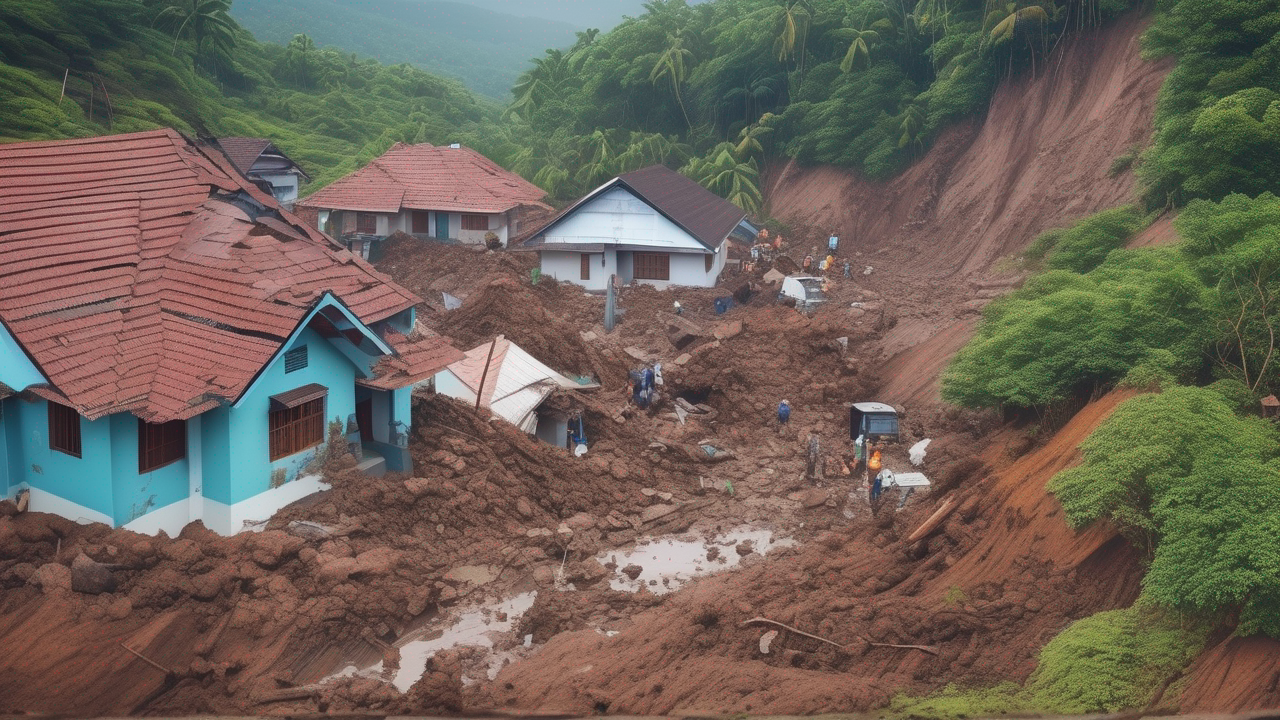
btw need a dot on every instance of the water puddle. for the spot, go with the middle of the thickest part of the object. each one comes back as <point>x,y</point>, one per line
<point>668,562</point>
<point>473,626</point>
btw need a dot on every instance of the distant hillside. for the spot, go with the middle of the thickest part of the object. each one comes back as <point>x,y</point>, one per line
<point>486,50</point>
<point>72,68</point>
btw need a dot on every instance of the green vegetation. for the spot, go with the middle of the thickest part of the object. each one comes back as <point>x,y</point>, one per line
<point>1064,332</point>
<point>140,64</point>
<point>862,83</point>
<point>1199,486</point>
<point>1218,122</point>
<point>1107,662</point>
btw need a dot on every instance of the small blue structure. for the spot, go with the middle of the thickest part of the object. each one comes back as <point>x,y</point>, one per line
<point>186,350</point>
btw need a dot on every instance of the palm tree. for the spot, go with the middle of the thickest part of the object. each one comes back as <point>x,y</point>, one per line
<point>724,174</point>
<point>203,20</point>
<point>754,93</point>
<point>544,80</point>
<point>597,160</point>
<point>910,124</point>
<point>860,42</point>
<point>671,64</point>
<point>749,138</point>
<point>791,40</point>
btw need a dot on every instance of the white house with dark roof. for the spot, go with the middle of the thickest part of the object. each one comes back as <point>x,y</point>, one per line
<point>652,226</point>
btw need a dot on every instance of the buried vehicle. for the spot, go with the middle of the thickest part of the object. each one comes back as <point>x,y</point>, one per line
<point>873,421</point>
<point>806,290</point>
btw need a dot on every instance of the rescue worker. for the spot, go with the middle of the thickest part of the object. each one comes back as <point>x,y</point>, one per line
<point>832,243</point>
<point>784,412</point>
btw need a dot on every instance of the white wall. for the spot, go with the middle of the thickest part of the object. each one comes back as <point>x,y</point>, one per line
<point>567,267</point>
<point>617,216</point>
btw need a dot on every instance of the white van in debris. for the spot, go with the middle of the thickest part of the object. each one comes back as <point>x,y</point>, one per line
<point>806,289</point>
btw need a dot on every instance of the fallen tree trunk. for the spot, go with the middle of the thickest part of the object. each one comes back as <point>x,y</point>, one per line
<point>928,526</point>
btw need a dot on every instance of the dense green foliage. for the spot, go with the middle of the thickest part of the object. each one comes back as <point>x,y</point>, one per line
<point>486,50</point>
<point>325,109</point>
<point>1182,474</point>
<point>1063,331</point>
<point>1150,317</point>
<point>1108,662</point>
<point>1218,121</point>
<point>862,83</point>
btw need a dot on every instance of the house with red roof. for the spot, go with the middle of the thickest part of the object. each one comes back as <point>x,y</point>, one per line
<point>176,346</point>
<point>449,193</point>
<point>652,226</point>
<point>262,162</point>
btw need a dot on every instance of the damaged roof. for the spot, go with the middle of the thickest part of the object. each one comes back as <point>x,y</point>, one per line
<point>244,153</point>
<point>428,177</point>
<point>515,382</point>
<point>142,273</point>
<point>707,217</point>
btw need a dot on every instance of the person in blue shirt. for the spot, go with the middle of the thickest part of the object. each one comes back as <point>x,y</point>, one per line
<point>784,412</point>
<point>832,243</point>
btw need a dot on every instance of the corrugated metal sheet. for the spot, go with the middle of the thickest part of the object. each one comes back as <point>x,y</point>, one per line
<point>515,384</point>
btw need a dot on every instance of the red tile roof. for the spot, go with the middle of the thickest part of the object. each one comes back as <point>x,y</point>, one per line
<point>144,274</point>
<point>418,356</point>
<point>427,177</point>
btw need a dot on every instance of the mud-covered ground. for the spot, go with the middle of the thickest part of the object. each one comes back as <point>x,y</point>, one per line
<point>575,584</point>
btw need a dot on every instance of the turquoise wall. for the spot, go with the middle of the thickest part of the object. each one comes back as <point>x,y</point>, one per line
<point>401,404</point>
<point>5,471</point>
<point>136,495</point>
<point>248,441</point>
<point>85,480</point>
<point>216,449</point>
<point>16,369</point>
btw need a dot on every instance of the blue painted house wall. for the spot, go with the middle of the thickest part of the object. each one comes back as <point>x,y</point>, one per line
<point>232,441</point>
<point>84,480</point>
<point>136,494</point>
<point>247,470</point>
<point>16,369</point>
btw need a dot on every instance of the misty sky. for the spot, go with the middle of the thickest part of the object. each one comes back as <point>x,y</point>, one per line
<point>602,14</point>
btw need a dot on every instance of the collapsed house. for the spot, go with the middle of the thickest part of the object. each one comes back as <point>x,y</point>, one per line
<point>514,386</point>
<point>264,164</point>
<point>174,346</point>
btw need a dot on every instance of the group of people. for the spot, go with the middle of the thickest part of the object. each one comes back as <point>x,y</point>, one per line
<point>827,264</point>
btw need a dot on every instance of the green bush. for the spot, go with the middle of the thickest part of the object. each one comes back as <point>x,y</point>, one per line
<point>1199,486</point>
<point>1218,119</point>
<point>1084,246</point>
<point>1105,663</point>
<point>1111,661</point>
<point>1062,332</point>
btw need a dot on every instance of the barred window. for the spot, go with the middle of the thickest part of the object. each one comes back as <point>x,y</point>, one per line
<point>295,429</point>
<point>160,444</point>
<point>367,223</point>
<point>475,222</point>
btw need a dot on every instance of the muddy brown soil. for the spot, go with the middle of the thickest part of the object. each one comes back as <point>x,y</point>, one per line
<point>250,624</point>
